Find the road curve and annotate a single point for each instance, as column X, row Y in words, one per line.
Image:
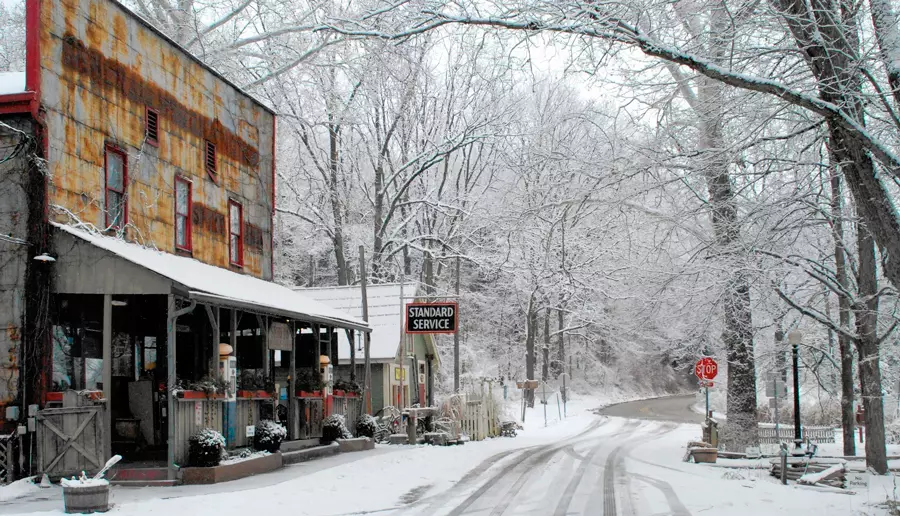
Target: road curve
column 677, row 409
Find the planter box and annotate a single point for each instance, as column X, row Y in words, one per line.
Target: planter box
column 86, row 500
column 91, row 395
column 705, row 455
column 199, row 395
column 307, row 394
column 345, row 394
column 255, row 394
column 357, row 444
column 227, row 472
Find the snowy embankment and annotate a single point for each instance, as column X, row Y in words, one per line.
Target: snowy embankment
column 377, row 481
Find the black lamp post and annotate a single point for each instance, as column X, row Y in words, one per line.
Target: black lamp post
column 795, row 337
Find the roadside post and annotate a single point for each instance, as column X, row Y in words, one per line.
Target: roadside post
column 557, row 406
column 775, row 389
column 563, row 380
column 523, row 386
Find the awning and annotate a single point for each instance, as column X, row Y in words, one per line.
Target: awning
column 82, row 271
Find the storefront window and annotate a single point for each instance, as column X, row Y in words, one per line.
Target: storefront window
column 77, row 358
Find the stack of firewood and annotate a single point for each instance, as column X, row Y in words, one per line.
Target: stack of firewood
column 813, row 471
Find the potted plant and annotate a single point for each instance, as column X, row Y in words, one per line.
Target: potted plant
column 254, row 384
column 346, row 388
column 309, row 384
column 205, row 448
column 268, row 436
column 334, row 427
column 366, row 426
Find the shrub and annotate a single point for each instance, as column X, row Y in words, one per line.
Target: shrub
column 335, row 427
column 366, row 426
column 268, row 436
column 205, row 448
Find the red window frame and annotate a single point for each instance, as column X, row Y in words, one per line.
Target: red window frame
column 239, row 259
column 151, row 140
column 107, row 150
column 188, row 227
column 211, row 160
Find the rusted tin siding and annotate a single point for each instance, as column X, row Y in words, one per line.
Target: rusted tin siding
column 13, row 256
column 101, row 69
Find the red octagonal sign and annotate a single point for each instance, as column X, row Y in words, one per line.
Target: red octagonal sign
column 706, row 368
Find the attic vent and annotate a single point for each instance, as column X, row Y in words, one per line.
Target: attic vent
column 152, row 130
column 211, row 159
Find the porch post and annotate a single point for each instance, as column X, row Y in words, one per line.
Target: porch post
column 107, row 374
column 170, row 385
column 214, row 320
column 350, row 338
column 292, row 385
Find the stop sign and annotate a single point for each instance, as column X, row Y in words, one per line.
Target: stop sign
column 706, row 368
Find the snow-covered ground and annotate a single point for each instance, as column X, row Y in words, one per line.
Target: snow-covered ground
column 568, row 467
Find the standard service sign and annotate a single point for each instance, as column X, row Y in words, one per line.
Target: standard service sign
column 431, row 317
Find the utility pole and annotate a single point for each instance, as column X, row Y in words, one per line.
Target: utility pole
column 365, row 308
column 456, row 339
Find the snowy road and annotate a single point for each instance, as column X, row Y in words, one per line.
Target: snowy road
column 580, row 475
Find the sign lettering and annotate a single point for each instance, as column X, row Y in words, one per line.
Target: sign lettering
column 432, row 317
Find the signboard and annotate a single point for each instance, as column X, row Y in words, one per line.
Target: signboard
column 251, row 431
column 399, row 374
column 279, row 336
column 528, row 384
column 545, row 392
column 432, row 317
column 775, row 386
column 706, row 368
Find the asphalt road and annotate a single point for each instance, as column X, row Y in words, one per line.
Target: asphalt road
column 676, row 409
column 582, row 475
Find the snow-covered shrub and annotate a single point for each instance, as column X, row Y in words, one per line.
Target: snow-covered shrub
column 206, row 448
column 892, row 432
column 268, row 436
column 335, row 427
column 366, row 426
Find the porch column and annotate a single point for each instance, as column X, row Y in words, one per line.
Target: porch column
column 214, row 320
column 171, row 332
column 292, row 386
column 368, row 364
column 352, row 341
column 107, row 375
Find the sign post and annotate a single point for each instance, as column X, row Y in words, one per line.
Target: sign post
column 544, row 400
column 563, row 380
column 706, row 370
column 775, row 389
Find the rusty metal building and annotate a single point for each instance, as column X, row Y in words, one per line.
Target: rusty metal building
column 136, row 212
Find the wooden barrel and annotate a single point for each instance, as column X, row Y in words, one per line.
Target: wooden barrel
column 86, row 500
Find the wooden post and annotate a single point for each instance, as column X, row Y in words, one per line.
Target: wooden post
column 213, row 315
column 171, row 332
column 107, row 375
column 292, row 385
column 350, row 338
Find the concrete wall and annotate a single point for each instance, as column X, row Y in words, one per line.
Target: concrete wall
column 101, row 68
column 13, row 256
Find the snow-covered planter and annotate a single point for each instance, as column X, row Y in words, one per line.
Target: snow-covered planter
column 85, row 495
column 366, row 426
column 268, row 436
column 205, row 448
column 335, row 427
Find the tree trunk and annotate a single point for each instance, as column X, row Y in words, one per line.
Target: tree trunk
column 887, row 32
column 335, row 199
column 865, row 311
column 844, row 344
column 545, row 368
column 530, row 329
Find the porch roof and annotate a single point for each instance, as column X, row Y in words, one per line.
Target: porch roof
column 209, row 284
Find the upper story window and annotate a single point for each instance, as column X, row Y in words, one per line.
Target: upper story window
column 211, row 161
column 116, row 172
column 183, row 200
column 235, row 232
column 151, row 129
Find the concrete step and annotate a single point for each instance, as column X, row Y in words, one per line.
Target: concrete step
column 295, row 457
column 301, row 444
column 140, row 474
column 145, row 483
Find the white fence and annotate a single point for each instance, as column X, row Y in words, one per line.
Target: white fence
column 479, row 411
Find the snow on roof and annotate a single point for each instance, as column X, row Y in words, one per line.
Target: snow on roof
column 211, row 282
column 385, row 314
column 12, row 82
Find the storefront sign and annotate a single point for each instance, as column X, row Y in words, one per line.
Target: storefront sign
column 432, row 317
column 279, row 336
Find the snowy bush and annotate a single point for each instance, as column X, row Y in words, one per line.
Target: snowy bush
column 269, row 436
column 206, row 448
column 335, row 427
column 366, row 426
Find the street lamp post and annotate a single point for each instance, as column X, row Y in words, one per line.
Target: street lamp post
column 795, row 337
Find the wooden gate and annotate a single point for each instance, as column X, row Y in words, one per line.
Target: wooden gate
column 348, row 406
column 310, row 412
column 70, row 440
column 7, row 451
